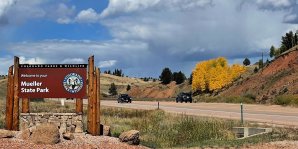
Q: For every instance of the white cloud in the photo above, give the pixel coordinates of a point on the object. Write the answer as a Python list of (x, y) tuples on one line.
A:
[(64, 13), (5, 5), (290, 18), (148, 35), (6, 62), (87, 16), (23, 11), (64, 20), (129, 6), (125, 54), (275, 3), (57, 51), (118, 6), (36, 60), (106, 64), (196, 34), (73, 61), (16, 12)]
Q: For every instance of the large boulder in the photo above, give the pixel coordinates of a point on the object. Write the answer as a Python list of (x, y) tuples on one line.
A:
[(105, 130), (25, 134), (6, 133), (68, 136), (45, 134), (131, 137)]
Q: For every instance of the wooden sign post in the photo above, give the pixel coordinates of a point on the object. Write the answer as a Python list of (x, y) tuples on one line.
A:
[(93, 114), (9, 99), (79, 106)]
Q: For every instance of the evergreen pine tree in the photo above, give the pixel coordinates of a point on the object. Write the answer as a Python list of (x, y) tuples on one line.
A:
[(113, 89), (166, 76), (272, 51), (246, 62), (128, 87), (190, 79)]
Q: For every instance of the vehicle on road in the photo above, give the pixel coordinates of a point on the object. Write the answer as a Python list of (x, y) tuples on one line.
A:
[(184, 97), (124, 98)]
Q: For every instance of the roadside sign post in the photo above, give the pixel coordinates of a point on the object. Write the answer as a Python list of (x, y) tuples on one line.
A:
[(241, 110)]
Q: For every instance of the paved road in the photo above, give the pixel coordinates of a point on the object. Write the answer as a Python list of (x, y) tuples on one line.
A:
[(269, 114), (273, 115)]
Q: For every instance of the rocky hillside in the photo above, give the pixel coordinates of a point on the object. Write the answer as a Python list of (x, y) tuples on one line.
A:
[(278, 78), (157, 90), (142, 89), (120, 82)]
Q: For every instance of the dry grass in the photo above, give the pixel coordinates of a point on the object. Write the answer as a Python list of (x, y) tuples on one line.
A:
[(163, 130), (2, 114), (3, 86)]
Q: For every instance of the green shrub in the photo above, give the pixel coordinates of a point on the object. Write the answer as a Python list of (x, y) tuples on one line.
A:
[(248, 98), (286, 100), (37, 100)]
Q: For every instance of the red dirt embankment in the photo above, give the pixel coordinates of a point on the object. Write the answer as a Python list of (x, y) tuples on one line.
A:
[(157, 90), (278, 78)]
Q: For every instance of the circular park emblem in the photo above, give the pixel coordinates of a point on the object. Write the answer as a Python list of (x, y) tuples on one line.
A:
[(73, 83)]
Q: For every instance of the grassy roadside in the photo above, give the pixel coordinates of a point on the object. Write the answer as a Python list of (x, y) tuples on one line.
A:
[(163, 130), (286, 100), (248, 99)]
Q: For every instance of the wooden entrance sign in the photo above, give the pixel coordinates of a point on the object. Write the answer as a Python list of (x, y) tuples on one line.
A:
[(53, 81)]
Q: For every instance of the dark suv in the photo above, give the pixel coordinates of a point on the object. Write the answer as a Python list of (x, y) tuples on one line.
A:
[(184, 97), (124, 98)]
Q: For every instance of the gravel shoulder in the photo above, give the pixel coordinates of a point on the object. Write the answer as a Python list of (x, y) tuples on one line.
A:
[(275, 145), (81, 141)]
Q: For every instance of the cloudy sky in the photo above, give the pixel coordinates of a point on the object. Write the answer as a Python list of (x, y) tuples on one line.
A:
[(141, 36)]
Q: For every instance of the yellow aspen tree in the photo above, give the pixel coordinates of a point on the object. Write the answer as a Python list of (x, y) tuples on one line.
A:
[(215, 74)]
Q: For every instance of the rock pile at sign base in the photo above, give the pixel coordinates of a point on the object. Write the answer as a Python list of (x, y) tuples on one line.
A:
[(131, 137)]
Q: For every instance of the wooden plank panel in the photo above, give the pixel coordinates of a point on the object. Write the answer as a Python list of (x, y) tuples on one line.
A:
[(90, 91), (98, 101), (15, 121), (79, 106), (9, 100), (25, 105)]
